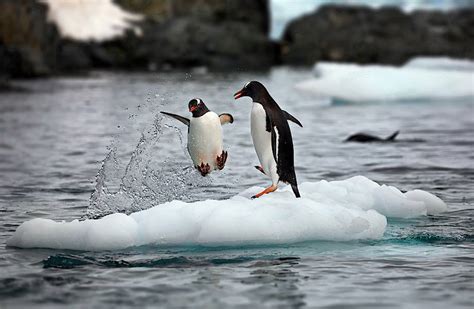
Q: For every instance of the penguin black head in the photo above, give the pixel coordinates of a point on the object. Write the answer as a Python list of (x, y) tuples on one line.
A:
[(197, 107), (252, 89)]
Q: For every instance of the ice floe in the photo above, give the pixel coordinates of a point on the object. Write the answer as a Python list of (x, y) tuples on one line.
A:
[(422, 79), (444, 63), (91, 20), (351, 209)]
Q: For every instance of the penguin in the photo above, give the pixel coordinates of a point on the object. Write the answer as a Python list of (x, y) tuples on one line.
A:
[(367, 138), (271, 137), (205, 136)]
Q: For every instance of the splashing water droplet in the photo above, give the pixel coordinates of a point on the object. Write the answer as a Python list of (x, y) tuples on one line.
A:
[(156, 172)]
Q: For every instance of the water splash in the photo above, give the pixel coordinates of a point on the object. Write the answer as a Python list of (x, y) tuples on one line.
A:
[(154, 173)]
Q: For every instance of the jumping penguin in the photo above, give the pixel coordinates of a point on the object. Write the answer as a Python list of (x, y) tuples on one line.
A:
[(271, 137), (205, 136)]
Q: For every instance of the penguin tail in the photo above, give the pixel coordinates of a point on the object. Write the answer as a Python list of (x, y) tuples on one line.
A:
[(392, 137), (295, 190)]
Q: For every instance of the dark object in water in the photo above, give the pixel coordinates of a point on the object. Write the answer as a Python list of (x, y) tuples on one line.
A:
[(367, 138)]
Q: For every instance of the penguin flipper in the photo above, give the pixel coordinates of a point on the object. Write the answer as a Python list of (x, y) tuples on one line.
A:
[(178, 117), (290, 117), (226, 118), (393, 136), (281, 138)]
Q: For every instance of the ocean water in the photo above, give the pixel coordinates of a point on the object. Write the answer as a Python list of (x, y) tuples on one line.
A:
[(81, 147)]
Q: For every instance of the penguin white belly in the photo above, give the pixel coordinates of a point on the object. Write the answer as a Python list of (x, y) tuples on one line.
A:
[(262, 141), (205, 139)]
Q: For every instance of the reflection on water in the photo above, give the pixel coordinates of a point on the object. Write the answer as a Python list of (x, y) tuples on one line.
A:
[(55, 136)]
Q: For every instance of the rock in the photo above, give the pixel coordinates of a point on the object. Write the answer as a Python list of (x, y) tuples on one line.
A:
[(28, 43), (184, 42), (216, 34), (157, 10), (213, 33), (220, 35), (387, 35), (252, 12)]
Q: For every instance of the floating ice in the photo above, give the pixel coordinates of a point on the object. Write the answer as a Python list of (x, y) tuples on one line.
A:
[(90, 20), (422, 79), (338, 211), (444, 63)]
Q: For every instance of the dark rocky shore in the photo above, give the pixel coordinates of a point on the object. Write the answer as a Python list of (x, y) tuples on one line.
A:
[(387, 35), (229, 35), (217, 34)]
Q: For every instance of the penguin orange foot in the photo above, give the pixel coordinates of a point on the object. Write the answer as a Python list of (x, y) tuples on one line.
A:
[(204, 169), (267, 190), (220, 160)]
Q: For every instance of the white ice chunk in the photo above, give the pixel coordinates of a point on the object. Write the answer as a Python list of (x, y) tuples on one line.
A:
[(95, 20), (344, 210), (444, 63), (115, 231), (434, 205), (424, 79)]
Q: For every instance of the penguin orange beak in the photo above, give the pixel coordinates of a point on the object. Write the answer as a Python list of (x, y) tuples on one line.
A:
[(239, 94), (192, 108)]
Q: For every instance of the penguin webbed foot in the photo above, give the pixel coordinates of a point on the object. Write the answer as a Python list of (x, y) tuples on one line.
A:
[(266, 191), (220, 160), (204, 169)]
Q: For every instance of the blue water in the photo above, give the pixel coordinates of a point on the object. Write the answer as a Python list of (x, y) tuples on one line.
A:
[(55, 133)]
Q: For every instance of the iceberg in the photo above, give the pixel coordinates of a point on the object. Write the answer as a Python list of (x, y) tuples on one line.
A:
[(444, 63), (352, 209), (90, 20), (421, 79)]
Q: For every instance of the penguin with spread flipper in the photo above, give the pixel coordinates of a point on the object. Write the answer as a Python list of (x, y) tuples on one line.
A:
[(205, 136), (271, 137)]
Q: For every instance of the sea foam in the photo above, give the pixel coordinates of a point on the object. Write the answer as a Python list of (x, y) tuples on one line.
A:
[(345, 210), (421, 79)]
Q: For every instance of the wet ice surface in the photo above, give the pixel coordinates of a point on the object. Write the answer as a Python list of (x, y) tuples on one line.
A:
[(54, 136)]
